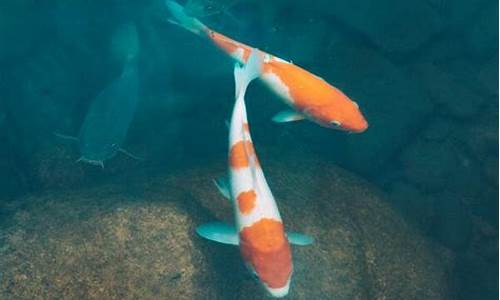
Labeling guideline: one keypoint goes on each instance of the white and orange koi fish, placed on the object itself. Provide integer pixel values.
(259, 231)
(308, 95)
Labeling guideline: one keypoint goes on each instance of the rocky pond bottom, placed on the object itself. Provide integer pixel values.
(136, 240)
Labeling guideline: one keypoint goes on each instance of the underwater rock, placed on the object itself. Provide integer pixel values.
(388, 98)
(417, 208)
(307, 41)
(484, 241)
(457, 15)
(454, 225)
(438, 129)
(488, 76)
(434, 166)
(137, 240)
(477, 266)
(486, 205)
(301, 41)
(453, 97)
(481, 37)
(22, 29)
(474, 280)
(10, 177)
(55, 168)
(490, 169)
(36, 103)
(39, 95)
(382, 21)
(481, 136)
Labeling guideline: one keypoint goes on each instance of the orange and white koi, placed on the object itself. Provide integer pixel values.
(264, 245)
(308, 95)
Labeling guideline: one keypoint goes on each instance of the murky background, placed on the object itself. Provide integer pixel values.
(406, 210)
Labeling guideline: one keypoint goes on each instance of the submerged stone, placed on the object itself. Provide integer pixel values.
(481, 37)
(382, 23)
(415, 206)
(391, 100)
(438, 165)
(454, 227)
(438, 129)
(488, 76)
(109, 242)
(453, 97)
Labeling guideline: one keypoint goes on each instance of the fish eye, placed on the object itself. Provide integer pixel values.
(336, 123)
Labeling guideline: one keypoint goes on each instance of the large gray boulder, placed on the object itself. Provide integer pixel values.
(135, 239)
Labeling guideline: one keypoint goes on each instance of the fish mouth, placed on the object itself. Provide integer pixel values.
(94, 162)
(351, 129)
(360, 129)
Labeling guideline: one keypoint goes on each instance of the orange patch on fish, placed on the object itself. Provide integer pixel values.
(246, 201)
(229, 45)
(241, 153)
(315, 97)
(305, 88)
(245, 127)
(264, 246)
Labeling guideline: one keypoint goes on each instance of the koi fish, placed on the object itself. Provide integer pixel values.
(308, 95)
(259, 231)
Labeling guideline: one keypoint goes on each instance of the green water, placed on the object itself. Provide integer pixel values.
(407, 209)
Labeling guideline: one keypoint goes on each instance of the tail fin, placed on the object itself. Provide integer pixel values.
(244, 75)
(182, 19)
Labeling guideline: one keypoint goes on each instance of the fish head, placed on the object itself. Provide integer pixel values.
(345, 117)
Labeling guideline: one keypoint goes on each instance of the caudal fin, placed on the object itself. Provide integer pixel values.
(244, 75)
(181, 19)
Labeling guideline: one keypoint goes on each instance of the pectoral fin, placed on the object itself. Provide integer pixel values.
(222, 184)
(299, 239)
(288, 116)
(219, 232)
